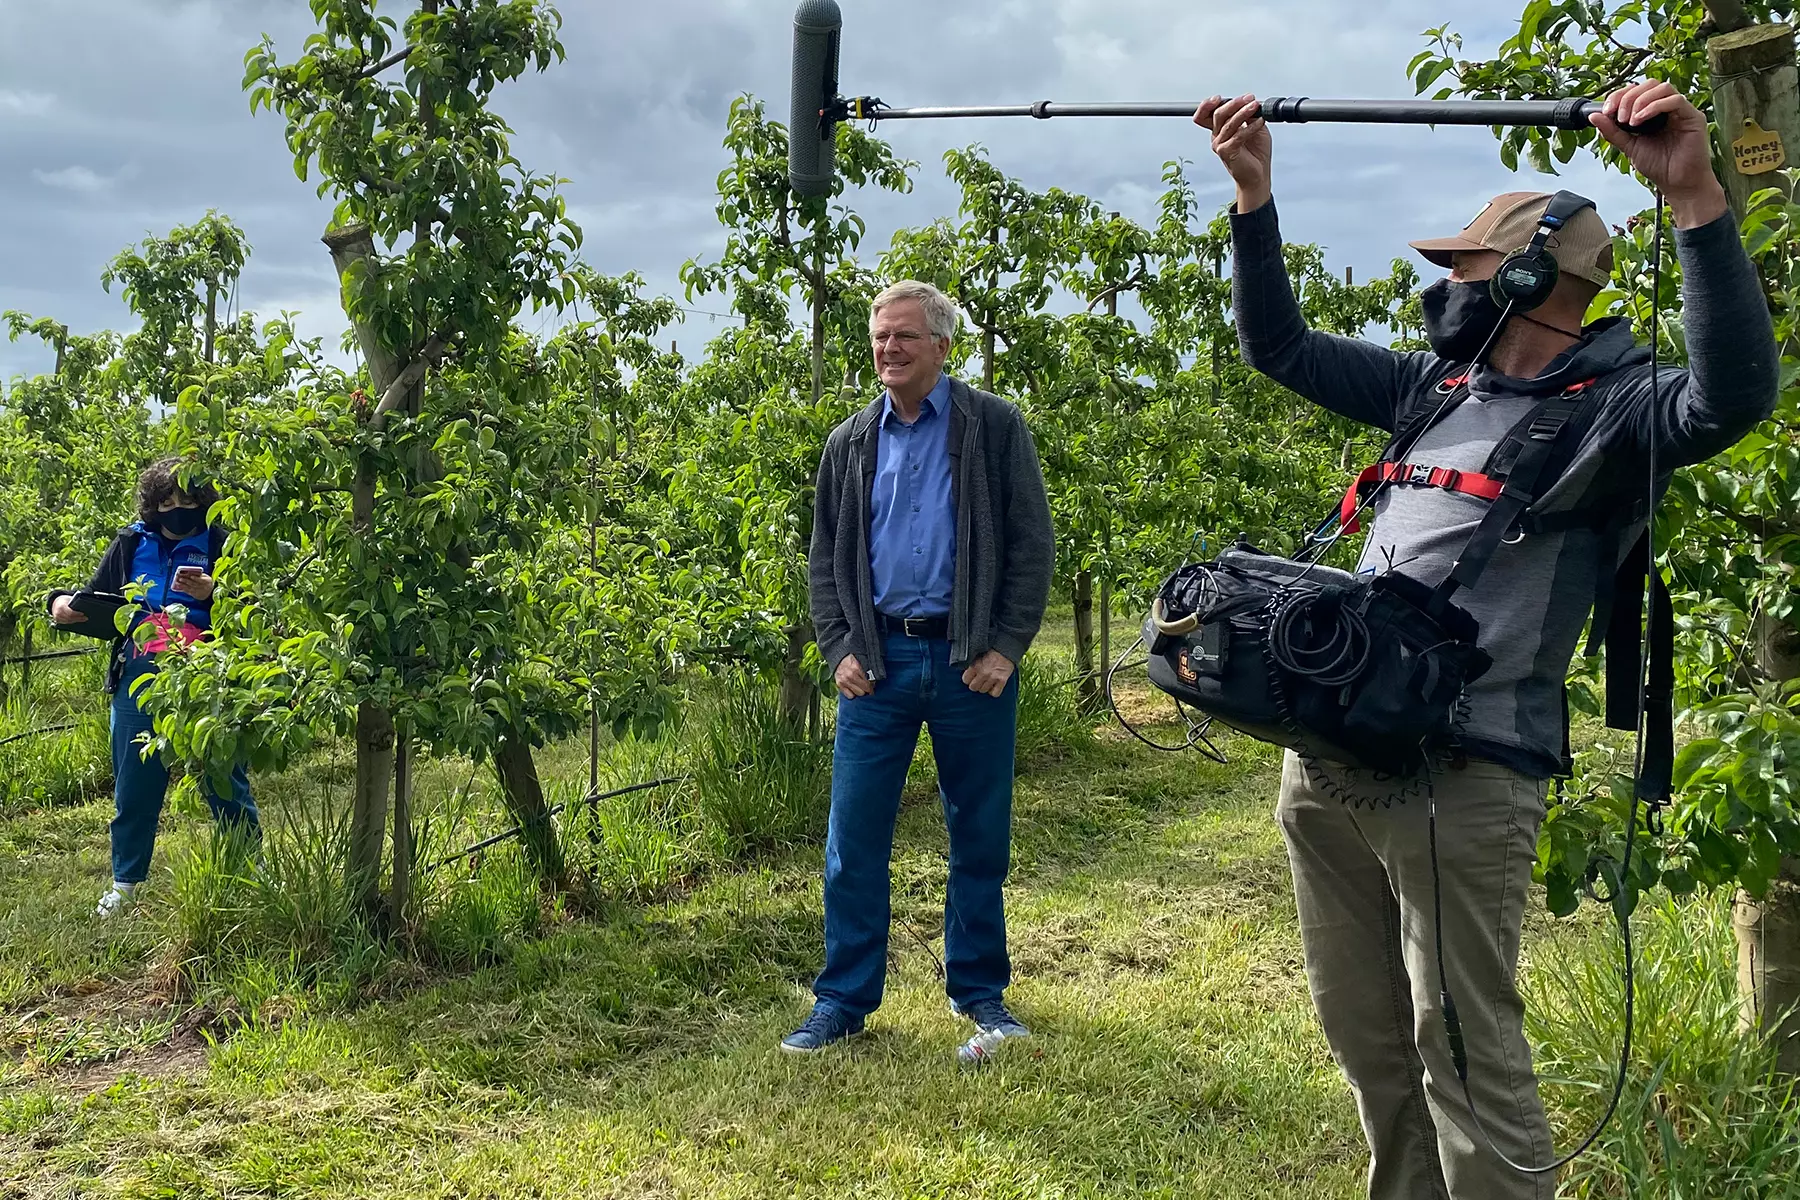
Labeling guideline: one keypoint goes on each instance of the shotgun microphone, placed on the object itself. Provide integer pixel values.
(816, 106)
(812, 128)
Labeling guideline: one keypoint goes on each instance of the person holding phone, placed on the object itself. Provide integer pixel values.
(170, 551)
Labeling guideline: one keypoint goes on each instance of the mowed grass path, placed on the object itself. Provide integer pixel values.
(633, 1054)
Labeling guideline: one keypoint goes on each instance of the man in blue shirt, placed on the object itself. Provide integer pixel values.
(931, 559)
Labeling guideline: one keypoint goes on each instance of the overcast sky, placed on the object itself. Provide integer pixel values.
(120, 118)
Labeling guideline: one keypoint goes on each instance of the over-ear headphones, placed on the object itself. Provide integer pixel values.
(1526, 277)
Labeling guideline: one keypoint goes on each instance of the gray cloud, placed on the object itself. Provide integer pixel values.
(121, 118)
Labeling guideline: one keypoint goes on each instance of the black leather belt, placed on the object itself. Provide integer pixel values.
(918, 627)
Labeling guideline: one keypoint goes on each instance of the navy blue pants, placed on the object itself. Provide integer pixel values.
(140, 784)
(972, 738)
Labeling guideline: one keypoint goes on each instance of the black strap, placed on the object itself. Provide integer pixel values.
(1625, 637)
(1542, 430)
(1440, 403)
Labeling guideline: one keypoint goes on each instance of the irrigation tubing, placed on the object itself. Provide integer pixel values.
(19, 737)
(515, 831)
(31, 658)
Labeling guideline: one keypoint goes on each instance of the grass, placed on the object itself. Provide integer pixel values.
(630, 1052)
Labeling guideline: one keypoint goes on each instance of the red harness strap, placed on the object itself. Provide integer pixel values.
(1469, 483)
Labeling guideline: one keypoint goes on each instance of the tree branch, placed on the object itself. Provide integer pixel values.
(395, 396)
(1758, 525)
(375, 69)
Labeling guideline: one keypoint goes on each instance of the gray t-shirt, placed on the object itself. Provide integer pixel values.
(1534, 597)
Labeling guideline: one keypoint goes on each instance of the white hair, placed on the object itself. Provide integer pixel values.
(940, 314)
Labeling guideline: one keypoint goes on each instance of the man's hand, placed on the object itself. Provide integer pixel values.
(1676, 158)
(1240, 137)
(65, 613)
(989, 673)
(852, 680)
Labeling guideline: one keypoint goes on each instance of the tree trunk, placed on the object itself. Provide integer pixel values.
(1084, 638)
(1768, 938)
(524, 793)
(369, 805)
(1755, 81)
(350, 246)
(796, 689)
(1768, 930)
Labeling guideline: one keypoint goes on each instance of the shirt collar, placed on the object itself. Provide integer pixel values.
(935, 401)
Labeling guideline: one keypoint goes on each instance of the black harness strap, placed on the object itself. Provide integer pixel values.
(1623, 636)
(1522, 487)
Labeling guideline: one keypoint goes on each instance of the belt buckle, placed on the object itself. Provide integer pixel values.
(906, 626)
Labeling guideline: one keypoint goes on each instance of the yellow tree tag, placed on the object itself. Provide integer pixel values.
(1758, 151)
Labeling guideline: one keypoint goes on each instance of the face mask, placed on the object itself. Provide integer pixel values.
(1459, 318)
(180, 523)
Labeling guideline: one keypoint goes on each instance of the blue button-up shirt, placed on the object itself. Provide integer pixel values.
(912, 526)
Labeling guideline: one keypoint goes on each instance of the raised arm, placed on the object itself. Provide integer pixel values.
(1733, 364)
(1349, 376)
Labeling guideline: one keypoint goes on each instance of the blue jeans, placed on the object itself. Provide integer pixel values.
(972, 739)
(140, 784)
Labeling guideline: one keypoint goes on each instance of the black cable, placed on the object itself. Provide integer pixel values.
(515, 831)
(31, 733)
(1333, 661)
(1196, 730)
(1459, 1055)
(1621, 896)
(53, 654)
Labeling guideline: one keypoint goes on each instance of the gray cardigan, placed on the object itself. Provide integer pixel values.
(1005, 546)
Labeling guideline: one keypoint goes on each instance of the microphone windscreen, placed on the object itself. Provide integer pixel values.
(812, 142)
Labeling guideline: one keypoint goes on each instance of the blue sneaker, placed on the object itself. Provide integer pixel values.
(991, 1016)
(995, 1026)
(822, 1028)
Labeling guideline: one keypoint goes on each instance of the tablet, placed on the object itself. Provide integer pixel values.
(100, 608)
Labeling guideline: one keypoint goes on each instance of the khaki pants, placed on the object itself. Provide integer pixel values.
(1362, 882)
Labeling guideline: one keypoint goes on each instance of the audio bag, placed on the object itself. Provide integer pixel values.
(1351, 668)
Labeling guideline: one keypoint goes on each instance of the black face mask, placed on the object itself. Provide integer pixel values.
(181, 523)
(1459, 318)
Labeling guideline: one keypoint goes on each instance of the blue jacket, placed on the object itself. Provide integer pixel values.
(139, 553)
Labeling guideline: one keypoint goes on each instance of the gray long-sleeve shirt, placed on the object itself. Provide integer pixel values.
(1536, 593)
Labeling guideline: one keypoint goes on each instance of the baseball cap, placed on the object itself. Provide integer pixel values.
(1582, 247)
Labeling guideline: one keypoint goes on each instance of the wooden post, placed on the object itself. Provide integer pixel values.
(1755, 84)
(987, 333)
(400, 895)
(212, 318)
(1756, 108)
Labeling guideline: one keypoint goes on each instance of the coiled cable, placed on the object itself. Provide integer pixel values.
(1314, 635)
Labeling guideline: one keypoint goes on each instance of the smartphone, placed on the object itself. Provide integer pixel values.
(187, 577)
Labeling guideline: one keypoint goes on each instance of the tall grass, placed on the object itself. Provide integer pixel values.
(759, 784)
(260, 924)
(64, 767)
(1704, 1113)
(1050, 716)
